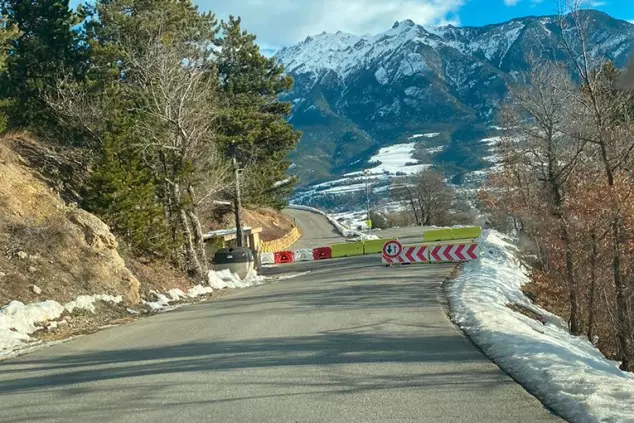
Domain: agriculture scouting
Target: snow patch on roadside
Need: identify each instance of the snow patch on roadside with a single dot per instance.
(18, 321)
(566, 372)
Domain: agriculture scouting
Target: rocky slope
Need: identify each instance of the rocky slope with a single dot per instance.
(354, 94)
(48, 248)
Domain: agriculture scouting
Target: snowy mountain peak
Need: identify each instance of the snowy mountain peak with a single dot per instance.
(355, 94)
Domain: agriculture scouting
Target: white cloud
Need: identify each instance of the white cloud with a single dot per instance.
(285, 22)
(511, 2)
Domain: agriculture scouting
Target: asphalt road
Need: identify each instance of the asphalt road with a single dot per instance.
(350, 341)
(316, 230)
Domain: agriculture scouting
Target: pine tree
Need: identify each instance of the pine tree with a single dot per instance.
(46, 46)
(123, 192)
(252, 114)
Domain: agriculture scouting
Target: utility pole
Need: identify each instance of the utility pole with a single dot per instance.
(367, 198)
(237, 202)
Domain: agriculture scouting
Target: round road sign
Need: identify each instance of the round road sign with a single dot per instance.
(392, 249)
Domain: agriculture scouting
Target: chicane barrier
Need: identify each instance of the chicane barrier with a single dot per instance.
(347, 249)
(442, 234)
(304, 254)
(466, 232)
(373, 246)
(322, 253)
(282, 257)
(454, 253)
(448, 234)
(458, 247)
(267, 258)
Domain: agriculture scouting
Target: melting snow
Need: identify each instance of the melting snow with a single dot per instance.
(18, 321)
(566, 372)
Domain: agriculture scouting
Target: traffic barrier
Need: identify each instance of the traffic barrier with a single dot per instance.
(373, 246)
(303, 254)
(454, 253)
(284, 257)
(394, 252)
(443, 234)
(267, 258)
(322, 253)
(281, 244)
(467, 232)
(348, 249)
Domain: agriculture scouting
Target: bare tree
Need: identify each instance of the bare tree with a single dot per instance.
(433, 197)
(604, 122)
(540, 112)
(175, 87)
(171, 87)
(404, 191)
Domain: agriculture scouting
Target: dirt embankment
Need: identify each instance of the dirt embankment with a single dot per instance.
(48, 248)
(274, 223)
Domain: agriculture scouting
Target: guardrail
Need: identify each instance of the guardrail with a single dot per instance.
(281, 244)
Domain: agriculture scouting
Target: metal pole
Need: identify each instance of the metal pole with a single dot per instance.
(367, 199)
(237, 202)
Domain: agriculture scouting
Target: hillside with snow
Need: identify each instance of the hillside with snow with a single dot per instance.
(356, 94)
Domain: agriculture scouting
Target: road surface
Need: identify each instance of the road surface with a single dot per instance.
(350, 341)
(316, 230)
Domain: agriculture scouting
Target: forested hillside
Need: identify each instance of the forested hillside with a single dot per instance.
(153, 98)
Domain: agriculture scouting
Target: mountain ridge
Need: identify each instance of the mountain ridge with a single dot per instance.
(354, 94)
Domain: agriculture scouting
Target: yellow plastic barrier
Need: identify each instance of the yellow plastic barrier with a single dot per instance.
(432, 235)
(373, 246)
(468, 232)
(347, 250)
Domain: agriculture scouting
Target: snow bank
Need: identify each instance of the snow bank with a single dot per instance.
(566, 372)
(18, 321)
(163, 301)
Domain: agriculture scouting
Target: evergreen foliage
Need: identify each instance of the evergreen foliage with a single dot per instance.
(155, 92)
(252, 114)
(46, 45)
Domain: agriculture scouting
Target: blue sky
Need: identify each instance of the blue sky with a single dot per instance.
(280, 23)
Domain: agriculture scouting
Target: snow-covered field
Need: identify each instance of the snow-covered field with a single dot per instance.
(395, 159)
(566, 372)
(18, 322)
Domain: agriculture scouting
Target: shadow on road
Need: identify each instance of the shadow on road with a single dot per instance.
(328, 348)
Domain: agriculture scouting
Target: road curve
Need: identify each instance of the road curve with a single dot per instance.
(316, 230)
(349, 341)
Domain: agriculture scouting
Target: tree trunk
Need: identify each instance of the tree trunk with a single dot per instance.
(411, 202)
(625, 328)
(198, 232)
(572, 283)
(593, 284)
(193, 262)
(192, 258)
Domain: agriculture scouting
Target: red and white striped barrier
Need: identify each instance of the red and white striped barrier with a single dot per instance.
(394, 252)
(454, 253)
